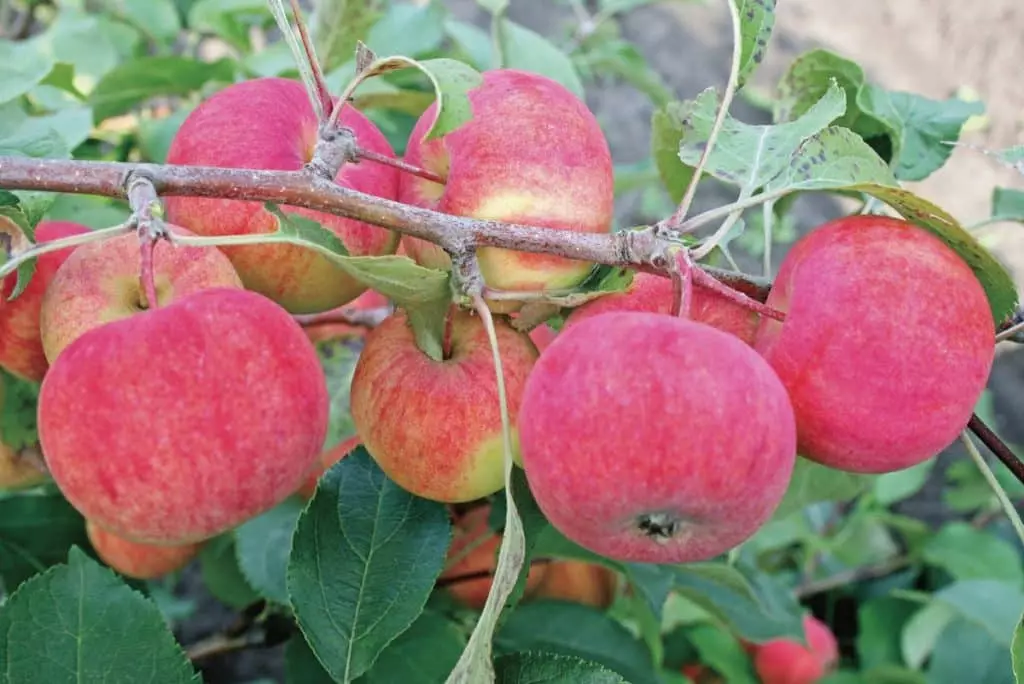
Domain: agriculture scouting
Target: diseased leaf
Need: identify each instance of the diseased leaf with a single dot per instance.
(79, 623)
(757, 19)
(666, 132)
(365, 556)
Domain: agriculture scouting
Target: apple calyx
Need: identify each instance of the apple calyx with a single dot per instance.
(660, 527)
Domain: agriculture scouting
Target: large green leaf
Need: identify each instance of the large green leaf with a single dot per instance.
(37, 529)
(263, 545)
(551, 668)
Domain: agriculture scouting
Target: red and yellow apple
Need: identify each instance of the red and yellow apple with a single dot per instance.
(180, 422)
(652, 438)
(269, 123)
(579, 582)
(533, 154)
(21, 347)
(653, 293)
(100, 282)
(435, 426)
(139, 561)
(786, 661)
(887, 344)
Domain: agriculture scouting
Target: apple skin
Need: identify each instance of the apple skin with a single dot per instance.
(653, 293)
(327, 459)
(785, 661)
(100, 282)
(269, 123)
(21, 346)
(532, 154)
(579, 582)
(474, 548)
(435, 426)
(655, 439)
(542, 336)
(181, 422)
(887, 345)
(139, 561)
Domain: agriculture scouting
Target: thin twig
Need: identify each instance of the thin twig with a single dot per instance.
(360, 318)
(997, 446)
(993, 483)
(852, 576)
(370, 155)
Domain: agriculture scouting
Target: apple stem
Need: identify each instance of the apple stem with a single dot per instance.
(446, 339)
(148, 273)
(360, 318)
(705, 280)
(682, 285)
(370, 155)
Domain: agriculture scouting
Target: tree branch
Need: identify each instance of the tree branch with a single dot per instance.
(997, 446)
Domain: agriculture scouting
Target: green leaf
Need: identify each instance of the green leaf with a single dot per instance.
(364, 560)
(156, 135)
(896, 486)
(23, 65)
(473, 41)
(142, 78)
(813, 483)
(1007, 204)
(746, 155)
(31, 139)
(920, 129)
(408, 29)
(551, 668)
(80, 623)
(967, 653)
(1017, 651)
(301, 664)
(1013, 157)
(423, 654)
(579, 630)
(89, 210)
(36, 530)
(723, 653)
(968, 553)
(339, 356)
(666, 132)
(229, 19)
(880, 622)
(338, 25)
(727, 594)
(19, 400)
(529, 51)
(93, 43)
(158, 19)
(218, 563)
(992, 604)
(263, 545)
(921, 632)
(757, 19)
(834, 159)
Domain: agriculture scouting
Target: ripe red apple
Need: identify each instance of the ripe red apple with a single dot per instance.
(181, 422)
(140, 561)
(652, 438)
(434, 426)
(473, 551)
(786, 661)
(653, 293)
(532, 153)
(579, 582)
(327, 459)
(100, 282)
(887, 345)
(21, 348)
(269, 123)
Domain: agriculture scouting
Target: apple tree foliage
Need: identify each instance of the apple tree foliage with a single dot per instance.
(348, 585)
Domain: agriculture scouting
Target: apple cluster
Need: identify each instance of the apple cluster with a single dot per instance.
(645, 435)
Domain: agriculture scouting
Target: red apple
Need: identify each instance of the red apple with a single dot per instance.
(100, 282)
(21, 348)
(139, 561)
(579, 582)
(532, 153)
(434, 426)
(181, 422)
(652, 438)
(653, 293)
(542, 336)
(887, 345)
(786, 661)
(269, 123)
(473, 551)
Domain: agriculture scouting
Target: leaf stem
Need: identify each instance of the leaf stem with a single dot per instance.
(675, 221)
(41, 248)
(997, 489)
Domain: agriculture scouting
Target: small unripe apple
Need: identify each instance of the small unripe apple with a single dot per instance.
(139, 561)
(653, 293)
(887, 344)
(21, 346)
(269, 123)
(532, 154)
(474, 551)
(435, 426)
(100, 282)
(785, 661)
(180, 422)
(652, 438)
